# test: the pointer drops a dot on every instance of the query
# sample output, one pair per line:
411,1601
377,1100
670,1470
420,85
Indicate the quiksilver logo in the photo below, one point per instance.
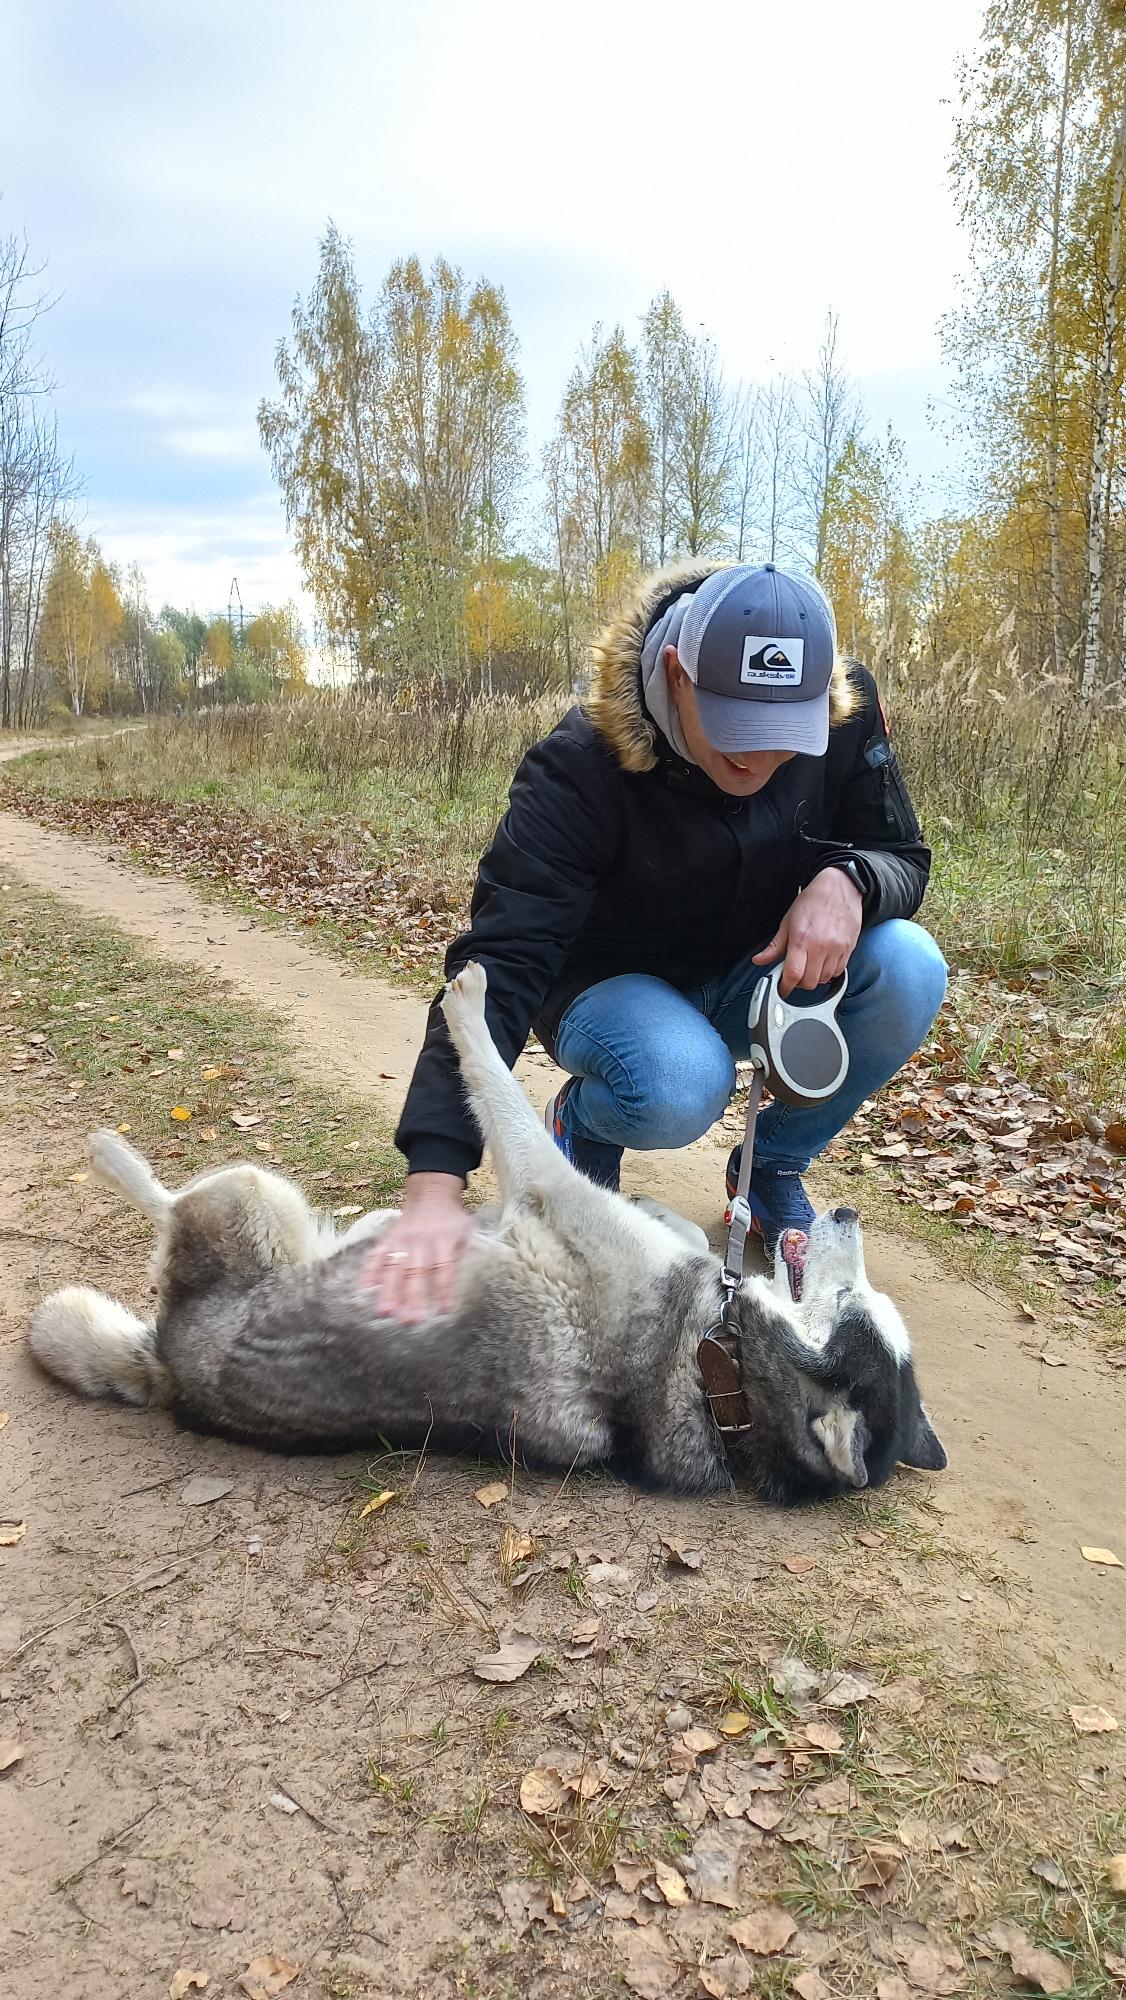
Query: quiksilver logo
772,662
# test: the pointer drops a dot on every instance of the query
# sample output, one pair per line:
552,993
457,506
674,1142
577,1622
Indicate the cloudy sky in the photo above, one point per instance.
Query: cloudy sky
176,164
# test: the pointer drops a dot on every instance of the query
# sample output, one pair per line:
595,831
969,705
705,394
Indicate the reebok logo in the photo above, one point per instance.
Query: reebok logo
772,662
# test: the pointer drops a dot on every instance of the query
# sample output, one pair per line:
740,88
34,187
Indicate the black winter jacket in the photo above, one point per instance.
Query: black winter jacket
616,856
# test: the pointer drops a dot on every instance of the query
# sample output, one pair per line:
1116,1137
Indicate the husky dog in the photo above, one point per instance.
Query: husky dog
572,1342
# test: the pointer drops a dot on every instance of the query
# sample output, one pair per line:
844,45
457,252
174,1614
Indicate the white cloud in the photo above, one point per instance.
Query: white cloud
237,441
763,161
189,558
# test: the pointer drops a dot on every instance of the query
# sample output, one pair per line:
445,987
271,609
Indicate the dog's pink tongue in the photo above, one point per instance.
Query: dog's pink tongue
795,1249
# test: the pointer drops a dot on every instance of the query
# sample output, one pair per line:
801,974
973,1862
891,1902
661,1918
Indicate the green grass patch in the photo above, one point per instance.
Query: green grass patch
125,1038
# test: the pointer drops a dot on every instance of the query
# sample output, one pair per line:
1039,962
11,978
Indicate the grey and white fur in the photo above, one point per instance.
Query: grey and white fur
571,1342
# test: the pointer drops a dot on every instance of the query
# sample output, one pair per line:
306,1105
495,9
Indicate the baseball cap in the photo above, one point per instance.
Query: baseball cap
759,644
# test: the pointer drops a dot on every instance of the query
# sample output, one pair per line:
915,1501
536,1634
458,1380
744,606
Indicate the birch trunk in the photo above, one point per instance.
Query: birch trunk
1104,378
1053,441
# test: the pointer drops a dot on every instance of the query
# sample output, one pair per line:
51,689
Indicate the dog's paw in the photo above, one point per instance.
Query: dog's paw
464,997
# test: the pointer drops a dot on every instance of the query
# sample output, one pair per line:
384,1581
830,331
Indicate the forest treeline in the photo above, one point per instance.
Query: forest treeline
437,544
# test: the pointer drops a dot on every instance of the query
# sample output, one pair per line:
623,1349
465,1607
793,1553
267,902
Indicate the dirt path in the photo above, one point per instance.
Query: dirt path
286,1655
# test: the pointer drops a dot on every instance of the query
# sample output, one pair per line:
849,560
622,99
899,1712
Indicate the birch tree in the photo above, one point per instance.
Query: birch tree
1097,505
35,480
831,416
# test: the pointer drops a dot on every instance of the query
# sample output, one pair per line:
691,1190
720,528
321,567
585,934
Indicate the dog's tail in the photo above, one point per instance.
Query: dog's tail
97,1346
127,1173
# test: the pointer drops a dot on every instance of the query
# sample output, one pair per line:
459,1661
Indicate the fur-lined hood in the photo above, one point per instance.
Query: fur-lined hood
615,704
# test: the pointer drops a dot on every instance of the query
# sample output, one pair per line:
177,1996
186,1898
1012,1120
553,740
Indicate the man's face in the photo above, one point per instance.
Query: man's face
743,772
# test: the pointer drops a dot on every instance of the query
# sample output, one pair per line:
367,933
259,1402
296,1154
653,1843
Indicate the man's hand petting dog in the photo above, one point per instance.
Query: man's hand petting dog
818,934
413,1269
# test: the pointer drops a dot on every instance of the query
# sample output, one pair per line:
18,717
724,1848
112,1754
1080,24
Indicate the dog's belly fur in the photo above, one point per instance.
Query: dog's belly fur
526,1364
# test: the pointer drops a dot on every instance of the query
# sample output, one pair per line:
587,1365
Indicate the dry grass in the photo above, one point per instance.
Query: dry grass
1023,796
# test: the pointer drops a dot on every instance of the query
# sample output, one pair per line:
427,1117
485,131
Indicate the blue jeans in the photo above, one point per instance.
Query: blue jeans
658,1065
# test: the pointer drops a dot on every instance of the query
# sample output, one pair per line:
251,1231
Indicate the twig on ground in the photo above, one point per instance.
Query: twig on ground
140,1674
87,1610
421,1466
169,1479
361,1674
45,1236
322,1824
105,1846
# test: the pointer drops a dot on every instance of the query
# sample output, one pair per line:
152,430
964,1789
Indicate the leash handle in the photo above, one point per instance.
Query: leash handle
740,1214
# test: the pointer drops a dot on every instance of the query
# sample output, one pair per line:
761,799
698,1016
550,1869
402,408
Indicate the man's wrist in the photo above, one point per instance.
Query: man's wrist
422,1188
852,872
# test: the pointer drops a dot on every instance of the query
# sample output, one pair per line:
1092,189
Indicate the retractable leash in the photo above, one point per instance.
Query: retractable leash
801,1053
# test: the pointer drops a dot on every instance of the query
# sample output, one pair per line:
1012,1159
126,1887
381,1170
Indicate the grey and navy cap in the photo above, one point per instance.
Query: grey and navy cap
759,644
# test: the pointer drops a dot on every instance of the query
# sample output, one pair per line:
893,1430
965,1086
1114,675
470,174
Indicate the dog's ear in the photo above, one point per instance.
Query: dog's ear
923,1449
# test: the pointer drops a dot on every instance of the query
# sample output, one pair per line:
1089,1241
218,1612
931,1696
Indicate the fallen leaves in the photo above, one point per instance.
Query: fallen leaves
833,1795
1030,1962
221,1910
377,1502
651,1966
671,1884
765,1931
491,1495
699,1742
559,1778
204,1488
714,1865
514,1655
1093,1721
735,1723
846,1691
11,1753
980,1769
180,1113
810,1986
184,1980
586,1639
1105,1557
996,1155
528,1903
629,1875
1116,1874
726,1978
681,1554
246,1120
267,1975
11,1532
931,1963
516,1547
822,1736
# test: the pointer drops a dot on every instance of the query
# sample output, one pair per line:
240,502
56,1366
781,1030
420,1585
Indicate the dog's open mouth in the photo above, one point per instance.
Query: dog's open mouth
794,1245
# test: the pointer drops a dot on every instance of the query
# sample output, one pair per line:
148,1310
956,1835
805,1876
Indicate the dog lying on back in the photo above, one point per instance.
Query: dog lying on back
572,1342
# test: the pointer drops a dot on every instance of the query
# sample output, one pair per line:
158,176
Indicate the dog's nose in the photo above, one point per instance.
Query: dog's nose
845,1215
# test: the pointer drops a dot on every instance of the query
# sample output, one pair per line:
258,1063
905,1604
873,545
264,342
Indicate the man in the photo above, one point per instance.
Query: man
726,798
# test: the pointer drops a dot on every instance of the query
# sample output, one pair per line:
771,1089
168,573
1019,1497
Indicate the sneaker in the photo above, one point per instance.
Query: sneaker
777,1200
593,1158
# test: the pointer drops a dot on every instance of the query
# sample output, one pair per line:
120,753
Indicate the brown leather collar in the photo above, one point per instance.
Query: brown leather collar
717,1358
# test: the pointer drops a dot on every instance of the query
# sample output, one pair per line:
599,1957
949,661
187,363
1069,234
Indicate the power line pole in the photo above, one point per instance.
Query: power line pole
231,596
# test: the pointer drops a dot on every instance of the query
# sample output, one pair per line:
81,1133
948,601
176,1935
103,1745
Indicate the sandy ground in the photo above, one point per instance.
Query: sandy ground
285,1658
